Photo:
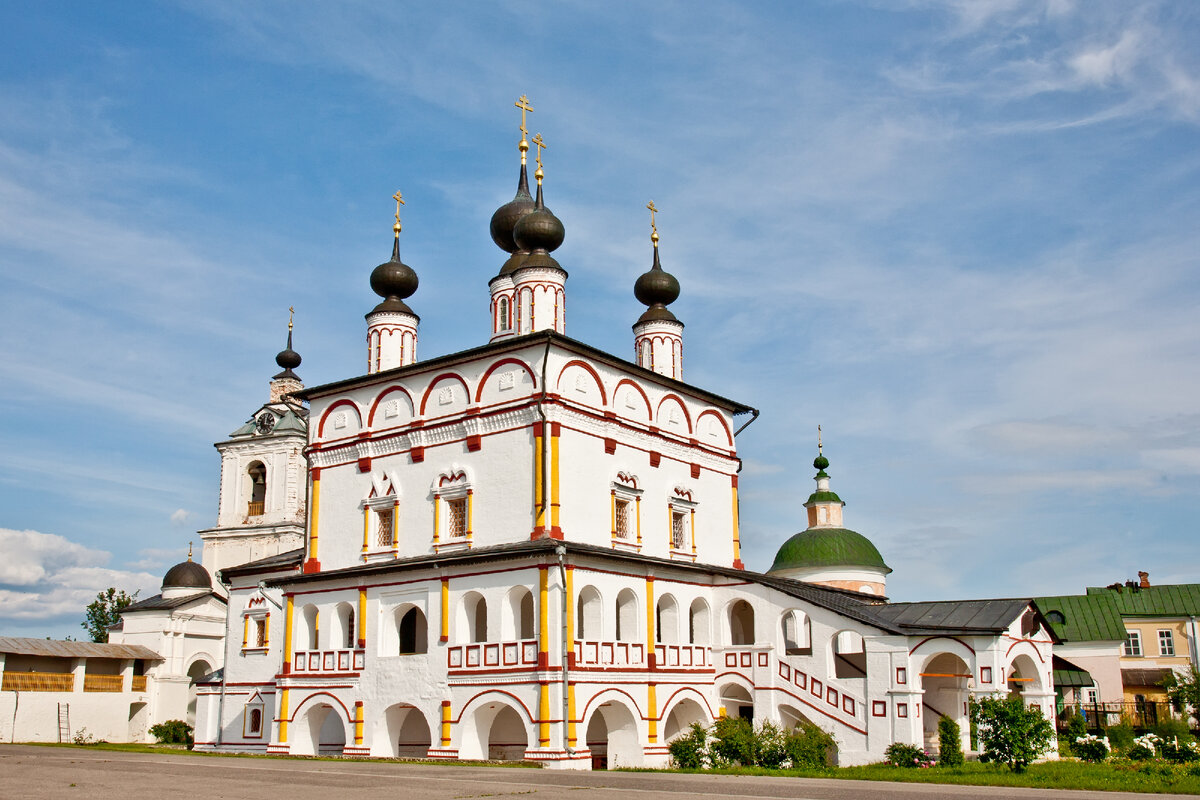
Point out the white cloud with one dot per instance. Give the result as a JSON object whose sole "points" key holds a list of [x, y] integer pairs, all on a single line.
{"points": [[180, 516]]}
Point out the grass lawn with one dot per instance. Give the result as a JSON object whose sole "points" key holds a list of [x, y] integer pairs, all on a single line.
{"points": [[181, 750], [1116, 776]]}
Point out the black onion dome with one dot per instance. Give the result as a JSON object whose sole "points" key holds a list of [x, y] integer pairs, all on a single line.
{"points": [[505, 220], [187, 575], [514, 263], [288, 359], [656, 286], [393, 281], [539, 229]]}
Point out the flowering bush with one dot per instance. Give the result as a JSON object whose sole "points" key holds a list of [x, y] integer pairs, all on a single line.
{"points": [[908, 755], [1092, 748], [1180, 753], [1144, 747]]}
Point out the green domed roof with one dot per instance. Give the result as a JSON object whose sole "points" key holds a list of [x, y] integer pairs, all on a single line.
{"points": [[828, 547]]}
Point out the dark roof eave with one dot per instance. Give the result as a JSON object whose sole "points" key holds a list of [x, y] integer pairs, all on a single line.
{"points": [[515, 343]]}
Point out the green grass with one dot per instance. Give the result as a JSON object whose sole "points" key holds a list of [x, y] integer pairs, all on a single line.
{"points": [[181, 750], [1116, 776]]}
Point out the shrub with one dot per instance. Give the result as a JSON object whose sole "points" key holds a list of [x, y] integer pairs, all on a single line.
{"points": [[173, 731], [770, 746], [1168, 729], [1091, 748], [1074, 729], [950, 752], [733, 742], [1180, 751], [809, 747], [907, 755], [83, 737], [1144, 747], [1009, 732], [1120, 736], [688, 749]]}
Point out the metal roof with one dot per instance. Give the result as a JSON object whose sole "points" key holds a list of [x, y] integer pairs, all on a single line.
{"points": [[1150, 676], [1068, 674], [279, 561], [1168, 600], [160, 603], [991, 616], [64, 649], [1086, 617]]}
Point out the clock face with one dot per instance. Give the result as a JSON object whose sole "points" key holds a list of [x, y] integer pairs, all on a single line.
{"points": [[266, 422]]}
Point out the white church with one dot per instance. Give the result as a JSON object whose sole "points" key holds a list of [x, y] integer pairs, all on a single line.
{"points": [[530, 550]]}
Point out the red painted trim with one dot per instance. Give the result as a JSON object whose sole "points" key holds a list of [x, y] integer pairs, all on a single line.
{"points": [[1019, 641], [951, 638], [668, 708], [708, 411], [637, 709], [302, 703], [682, 405], [444, 376], [339, 404], [642, 392], [588, 368], [385, 393], [528, 716], [497, 365]]}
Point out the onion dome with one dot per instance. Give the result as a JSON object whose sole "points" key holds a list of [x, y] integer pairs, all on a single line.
{"points": [[657, 289], [539, 233], [505, 220], [187, 575], [394, 280], [288, 358]]}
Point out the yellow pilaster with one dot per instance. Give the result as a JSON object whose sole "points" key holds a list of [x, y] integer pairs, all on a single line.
{"points": [[445, 636], [650, 617], [543, 616], [362, 617], [437, 510], [470, 512], [692, 525], [554, 482], [670, 530], [245, 632], [287, 634], [638, 507], [445, 723], [544, 715], [283, 716], [267, 630], [737, 542], [571, 736], [358, 723], [366, 529], [539, 503], [652, 711], [613, 514], [314, 517], [396, 525]]}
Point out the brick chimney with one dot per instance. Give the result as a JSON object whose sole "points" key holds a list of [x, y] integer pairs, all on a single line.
{"points": [[1143, 580]]}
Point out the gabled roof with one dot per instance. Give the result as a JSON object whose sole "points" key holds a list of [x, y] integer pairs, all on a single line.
{"points": [[64, 649], [1086, 617], [160, 603], [965, 616], [1168, 600]]}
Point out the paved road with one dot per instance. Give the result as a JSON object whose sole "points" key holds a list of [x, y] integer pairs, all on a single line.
{"points": [[50, 773]]}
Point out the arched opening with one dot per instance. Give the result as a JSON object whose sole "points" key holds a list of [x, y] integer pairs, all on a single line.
{"points": [[627, 616], [589, 614], [406, 733], [681, 717], [945, 679], [321, 731], [257, 496], [849, 655], [196, 671], [1023, 676], [343, 634], [518, 621], [737, 702], [507, 738], [308, 629], [741, 623], [797, 633], [472, 618], [139, 721], [612, 737], [699, 631], [667, 620], [413, 634]]}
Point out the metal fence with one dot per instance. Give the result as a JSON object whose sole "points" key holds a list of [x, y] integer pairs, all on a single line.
{"points": [[1140, 713]]}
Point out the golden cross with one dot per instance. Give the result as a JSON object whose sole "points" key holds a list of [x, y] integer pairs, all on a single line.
{"points": [[189, 551], [818, 440], [291, 314], [537, 139], [653, 227], [399, 202], [523, 104]]}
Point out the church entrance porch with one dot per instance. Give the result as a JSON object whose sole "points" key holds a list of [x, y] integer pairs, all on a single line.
{"points": [[612, 737], [946, 680]]}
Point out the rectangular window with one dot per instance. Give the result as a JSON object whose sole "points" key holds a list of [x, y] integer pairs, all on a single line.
{"points": [[260, 633], [678, 530], [1133, 643], [383, 537], [1166, 643], [621, 508], [1091, 695], [456, 517]]}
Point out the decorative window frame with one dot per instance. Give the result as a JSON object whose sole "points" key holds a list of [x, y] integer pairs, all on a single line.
{"points": [[255, 613], [625, 487], [682, 501], [384, 496], [456, 483], [254, 703]]}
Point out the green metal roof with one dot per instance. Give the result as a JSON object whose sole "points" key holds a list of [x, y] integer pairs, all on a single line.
{"points": [[828, 547], [1169, 600], [1068, 674], [823, 497], [1087, 617]]}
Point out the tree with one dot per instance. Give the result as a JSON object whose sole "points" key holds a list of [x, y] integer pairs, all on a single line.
{"points": [[105, 611], [1010, 732], [950, 752], [1183, 689]]}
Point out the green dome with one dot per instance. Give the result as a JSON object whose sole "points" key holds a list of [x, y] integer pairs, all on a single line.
{"points": [[828, 547]]}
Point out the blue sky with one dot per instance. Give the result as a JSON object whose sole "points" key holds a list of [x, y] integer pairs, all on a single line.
{"points": [[960, 235]]}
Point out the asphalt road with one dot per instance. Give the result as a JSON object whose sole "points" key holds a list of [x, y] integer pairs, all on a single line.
{"points": [[51, 773]]}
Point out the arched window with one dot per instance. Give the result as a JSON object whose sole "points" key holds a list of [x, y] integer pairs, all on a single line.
{"points": [[345, 634], [517, 617], [627, 628], [502, 314], [414, 638], [309, 628], [698, 630], [849, 655], [527, 629], [588, 614], [741, 623], [472, 618], [667, 620], [257, 473], [255, 725], [797, 633]]}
